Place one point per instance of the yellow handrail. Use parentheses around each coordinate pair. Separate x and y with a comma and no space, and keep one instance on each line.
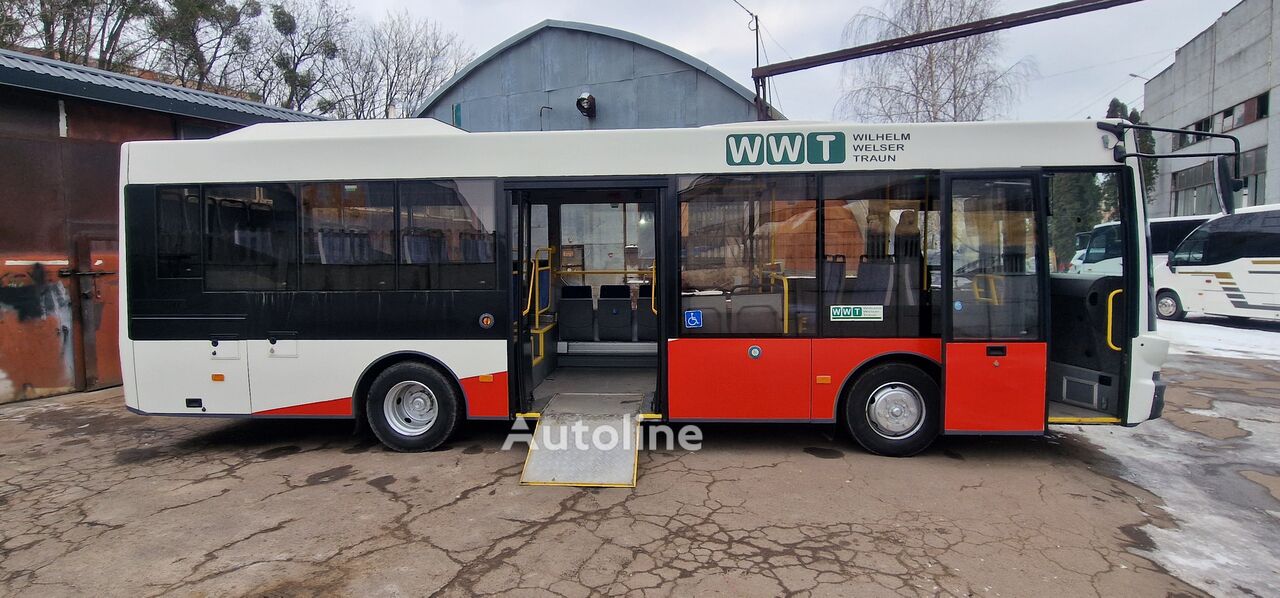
(990,279)
(541,334)
(615,272)
(786,300)
(1111,305)
(534,271)
(653,289)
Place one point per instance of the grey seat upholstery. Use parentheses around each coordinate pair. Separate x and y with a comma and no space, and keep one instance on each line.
(874,284)
(613,315)
(646,320)
(713,310)
(577,313)
(755,313)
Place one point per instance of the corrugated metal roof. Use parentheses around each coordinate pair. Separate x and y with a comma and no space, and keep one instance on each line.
(63,78)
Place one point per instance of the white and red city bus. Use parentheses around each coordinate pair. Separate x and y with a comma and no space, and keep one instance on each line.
(897,279)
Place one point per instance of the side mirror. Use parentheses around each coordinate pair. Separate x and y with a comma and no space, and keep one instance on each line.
(1227,185)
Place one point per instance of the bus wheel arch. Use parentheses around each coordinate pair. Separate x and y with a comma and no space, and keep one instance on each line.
(909,383)
(365,382)
(1169,305)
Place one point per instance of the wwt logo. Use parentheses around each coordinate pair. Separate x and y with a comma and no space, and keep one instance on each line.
(754,149)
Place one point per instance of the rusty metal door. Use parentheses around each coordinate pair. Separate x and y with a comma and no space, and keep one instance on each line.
(97,283)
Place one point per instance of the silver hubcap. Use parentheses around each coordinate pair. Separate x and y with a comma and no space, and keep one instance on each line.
(895,410)
(1166,306)
(410,408)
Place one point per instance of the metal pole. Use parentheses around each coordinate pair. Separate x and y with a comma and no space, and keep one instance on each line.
(915,40)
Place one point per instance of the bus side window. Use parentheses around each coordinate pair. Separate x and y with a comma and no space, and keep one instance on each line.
(251,237)
(178,232)
(348,232)
(1191,251)
(447,235)
(748,254)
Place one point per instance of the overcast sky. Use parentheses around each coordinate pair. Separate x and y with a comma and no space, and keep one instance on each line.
(1082,61)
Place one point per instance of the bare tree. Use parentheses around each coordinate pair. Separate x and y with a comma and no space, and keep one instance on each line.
(297,50)
(389,69)
(203,44)
(958,80)
(12,23)
(101,33)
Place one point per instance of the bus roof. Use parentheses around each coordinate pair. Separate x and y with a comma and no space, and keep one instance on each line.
(426,148)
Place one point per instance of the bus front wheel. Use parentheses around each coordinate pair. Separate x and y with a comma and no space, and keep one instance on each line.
(1169,306)
(412,407)
(893,410)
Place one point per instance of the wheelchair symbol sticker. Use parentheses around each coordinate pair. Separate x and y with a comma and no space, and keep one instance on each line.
(693,318)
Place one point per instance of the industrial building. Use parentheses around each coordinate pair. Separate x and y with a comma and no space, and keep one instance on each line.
(1221,82)
(560,75)
(61,126)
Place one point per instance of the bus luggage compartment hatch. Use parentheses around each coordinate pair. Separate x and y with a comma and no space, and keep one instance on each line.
(585,439)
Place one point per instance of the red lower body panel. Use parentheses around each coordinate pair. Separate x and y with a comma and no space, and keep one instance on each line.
(738,379)
(333,408)
(486,395)
(835,359)
(987,393)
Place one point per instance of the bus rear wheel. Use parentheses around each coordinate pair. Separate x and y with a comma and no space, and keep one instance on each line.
(892,410)
(1169,306)
(412,407)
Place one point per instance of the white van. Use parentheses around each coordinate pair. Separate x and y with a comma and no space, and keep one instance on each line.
(1229,266)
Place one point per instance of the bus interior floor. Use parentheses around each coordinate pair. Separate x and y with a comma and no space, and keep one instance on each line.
(605,381)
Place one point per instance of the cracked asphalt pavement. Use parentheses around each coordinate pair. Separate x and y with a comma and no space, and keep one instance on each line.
(95,500)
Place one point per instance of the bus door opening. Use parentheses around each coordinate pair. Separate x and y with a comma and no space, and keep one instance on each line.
(587,306)
(1092,289)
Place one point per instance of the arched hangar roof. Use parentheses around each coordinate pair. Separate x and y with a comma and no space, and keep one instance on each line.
(609,32)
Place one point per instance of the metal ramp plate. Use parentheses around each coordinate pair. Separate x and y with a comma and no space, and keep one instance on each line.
(585,439)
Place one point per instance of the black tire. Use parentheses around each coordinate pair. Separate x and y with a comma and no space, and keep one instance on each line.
(893,382)
(1169,298)
(409,381)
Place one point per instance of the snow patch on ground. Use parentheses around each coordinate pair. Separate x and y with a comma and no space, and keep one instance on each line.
(1206,337)
(1220,545)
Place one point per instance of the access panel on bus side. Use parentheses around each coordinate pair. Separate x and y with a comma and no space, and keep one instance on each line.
(738,379)
(994,354)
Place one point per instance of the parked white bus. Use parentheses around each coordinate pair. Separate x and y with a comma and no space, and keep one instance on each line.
(1230,266)
(1098,251)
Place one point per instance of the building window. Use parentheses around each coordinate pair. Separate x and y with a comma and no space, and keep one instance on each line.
(1253,169)
(748,255)
(447,235)
(1181,140)
(251,237)
(1246,112)
(348,236)
(1194,192)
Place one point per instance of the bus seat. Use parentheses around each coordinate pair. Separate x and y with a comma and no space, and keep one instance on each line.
(577,313)
(833,273)
(614,312)
(873,285)
(713,310)
(756,313)
(646,320)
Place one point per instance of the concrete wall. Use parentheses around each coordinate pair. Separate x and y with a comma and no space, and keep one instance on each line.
(634,87)
(1230,62)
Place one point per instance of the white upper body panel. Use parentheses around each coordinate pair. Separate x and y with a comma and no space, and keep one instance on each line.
(425,148)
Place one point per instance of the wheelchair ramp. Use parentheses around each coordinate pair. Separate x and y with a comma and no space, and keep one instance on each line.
(585,439)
